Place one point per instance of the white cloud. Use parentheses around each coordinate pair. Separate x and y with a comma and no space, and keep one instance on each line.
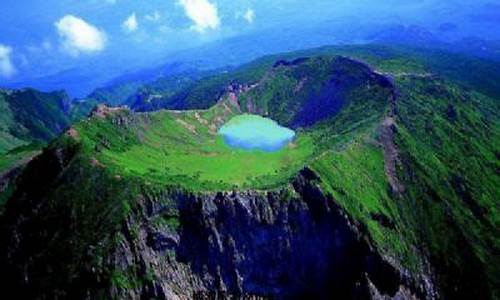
(77,36)
(154,17)
(249,15)
(130,24)
(203,14)
(7,69)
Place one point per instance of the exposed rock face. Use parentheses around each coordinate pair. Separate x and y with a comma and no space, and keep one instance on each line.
(277,244)
(102,111)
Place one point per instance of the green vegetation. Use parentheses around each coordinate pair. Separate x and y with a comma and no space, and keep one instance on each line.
(481,75)
(356,178)
(196,90)
(445,132)
(450,144)
(29,119)
(184,149)
(115,95)
(35,115)
(16,156)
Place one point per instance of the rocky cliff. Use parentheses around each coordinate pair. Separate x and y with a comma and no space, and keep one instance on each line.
(289,243)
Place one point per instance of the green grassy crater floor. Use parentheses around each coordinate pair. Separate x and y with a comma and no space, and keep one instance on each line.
(183,148)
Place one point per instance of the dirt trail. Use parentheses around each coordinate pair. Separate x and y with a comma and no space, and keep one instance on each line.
(391,154)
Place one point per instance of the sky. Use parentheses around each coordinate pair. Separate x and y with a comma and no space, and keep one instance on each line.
(43,37)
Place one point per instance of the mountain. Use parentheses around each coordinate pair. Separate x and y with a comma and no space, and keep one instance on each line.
(195,89)
(30,115)
(122,90)
(389,190)
(205,88)
(31,119)
(79,82)
(410,35)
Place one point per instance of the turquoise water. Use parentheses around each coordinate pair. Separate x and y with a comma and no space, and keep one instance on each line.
(251,132)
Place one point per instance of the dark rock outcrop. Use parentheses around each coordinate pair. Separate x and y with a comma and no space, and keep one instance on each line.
(256,244)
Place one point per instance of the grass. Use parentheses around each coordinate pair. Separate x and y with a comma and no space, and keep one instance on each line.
(7,139)
(356,178)
(30,116)
(450,144)
(184,149)
(15,156)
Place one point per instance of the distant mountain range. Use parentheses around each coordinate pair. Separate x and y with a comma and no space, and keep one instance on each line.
(81,82)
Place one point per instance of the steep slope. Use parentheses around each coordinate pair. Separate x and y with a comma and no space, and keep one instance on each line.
(29,115)
(195,90)
(29,118)
(450,157)
(471,72)
(390,190)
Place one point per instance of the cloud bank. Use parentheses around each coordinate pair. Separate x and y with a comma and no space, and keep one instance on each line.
(7,69)
(77,36)
(203,14)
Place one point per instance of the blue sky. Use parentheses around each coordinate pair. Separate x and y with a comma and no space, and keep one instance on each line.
(42,37)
